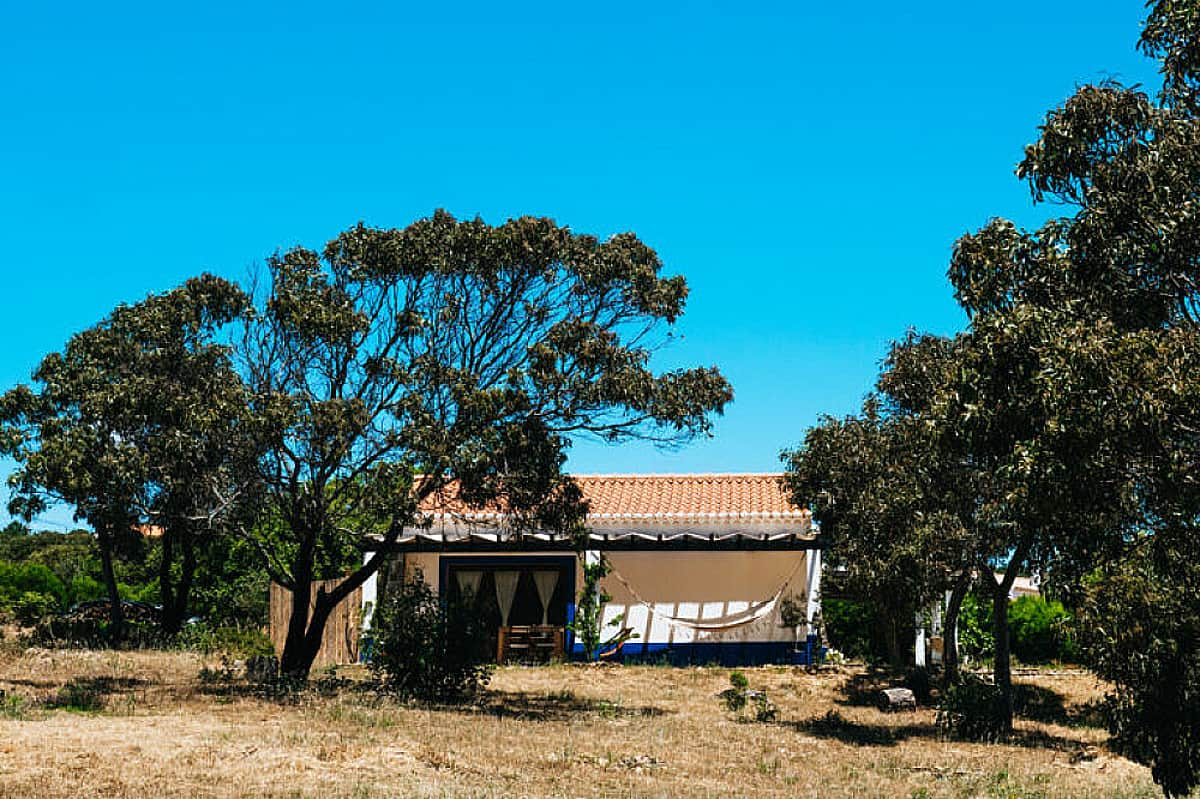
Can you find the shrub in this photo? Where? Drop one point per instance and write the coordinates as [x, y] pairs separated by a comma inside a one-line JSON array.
[[1038, 630], [975, 638], [19, 579], [31, 607], [848, 626], [233, 640], [738, 696], [427, 649], [920, 681], [972, 710]]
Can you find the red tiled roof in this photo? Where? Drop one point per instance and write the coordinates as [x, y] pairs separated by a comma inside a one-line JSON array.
[[691, 496], [616, 499]]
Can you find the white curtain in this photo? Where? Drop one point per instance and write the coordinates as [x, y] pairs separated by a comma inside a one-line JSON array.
[[545, 582], [506, 589], [468, 583]]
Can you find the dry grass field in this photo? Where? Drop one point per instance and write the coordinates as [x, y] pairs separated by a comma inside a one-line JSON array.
[[75, 724]]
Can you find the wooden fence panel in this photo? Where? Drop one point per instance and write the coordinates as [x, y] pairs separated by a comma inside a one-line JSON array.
[[340, 644]]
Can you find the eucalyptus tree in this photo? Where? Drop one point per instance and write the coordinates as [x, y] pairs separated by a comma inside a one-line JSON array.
[[133, 424], [867, 480], [449, 358]]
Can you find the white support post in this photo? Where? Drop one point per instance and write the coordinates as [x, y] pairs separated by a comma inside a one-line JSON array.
[[919, 648], [814, 589], [937, 630], [370, 591]]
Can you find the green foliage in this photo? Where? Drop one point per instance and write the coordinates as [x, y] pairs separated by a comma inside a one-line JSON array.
[[973, 710], [849, 626], [1139, 628], [18, 579], [738, 698], [589, 611], [1039, 630], [975, 637], [32, 607], [428, 649], [231, 640]]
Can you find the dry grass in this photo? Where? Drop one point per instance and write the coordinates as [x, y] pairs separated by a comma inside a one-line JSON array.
[[143, 724]]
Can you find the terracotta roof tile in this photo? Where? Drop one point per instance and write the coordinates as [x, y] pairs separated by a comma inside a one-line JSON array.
[[676, 498]]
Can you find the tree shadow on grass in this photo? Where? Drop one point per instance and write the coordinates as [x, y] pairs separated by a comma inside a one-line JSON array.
[[1038, 703], [557, 706], [834, 726], [91, 693]]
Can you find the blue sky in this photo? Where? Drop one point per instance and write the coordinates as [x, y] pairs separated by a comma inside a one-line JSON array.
[[806, 166]]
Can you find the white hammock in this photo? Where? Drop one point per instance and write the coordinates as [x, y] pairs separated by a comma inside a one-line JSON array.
[[756, 611]]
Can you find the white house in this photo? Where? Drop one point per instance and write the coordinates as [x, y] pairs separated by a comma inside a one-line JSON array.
[[701, 565]]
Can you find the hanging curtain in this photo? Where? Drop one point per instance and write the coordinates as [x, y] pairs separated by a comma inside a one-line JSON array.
[[506, 590], [545, 582], [468, 583]]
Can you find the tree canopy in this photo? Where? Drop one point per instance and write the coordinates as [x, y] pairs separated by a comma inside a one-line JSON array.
[[450, 357]]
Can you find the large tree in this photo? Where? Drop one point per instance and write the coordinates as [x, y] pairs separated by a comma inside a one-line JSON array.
[[446, 358], [1084, 332], [869, 480], [135, 423]]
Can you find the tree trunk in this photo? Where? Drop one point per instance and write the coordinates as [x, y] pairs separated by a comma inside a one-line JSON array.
[[891, 635], [298, 659], [295, 660], [1002, 668], [950, 659], [167, 623], [175, 594], [116, 613]]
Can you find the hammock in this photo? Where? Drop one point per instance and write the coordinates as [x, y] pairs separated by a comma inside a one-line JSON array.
[[756, 611]]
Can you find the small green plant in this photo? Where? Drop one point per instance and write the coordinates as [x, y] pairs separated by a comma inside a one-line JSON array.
[[972, 710], [236, 641], [221, 675], [13, 707], [589, 612], [428, 649], [80, 695], [740, 699]]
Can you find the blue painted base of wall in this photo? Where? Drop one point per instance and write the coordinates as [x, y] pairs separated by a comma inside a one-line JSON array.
[[751, 653]]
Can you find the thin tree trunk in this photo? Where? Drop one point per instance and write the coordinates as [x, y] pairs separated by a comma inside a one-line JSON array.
[[116, 613], [891, 636], [187, 573], [950, 658], [1002, 668], [175, 594], [1002, 665], [167, 623]]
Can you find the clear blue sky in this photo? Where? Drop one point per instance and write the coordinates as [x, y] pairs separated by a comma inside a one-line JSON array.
[[807, 166]]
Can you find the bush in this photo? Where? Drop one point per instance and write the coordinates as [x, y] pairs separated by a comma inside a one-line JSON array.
[[972, 710], [1038, 630], [1139, 628], [848, 626], [427, 649], [32, 607], [738, 697], [19, 579], [975, 638], [233, 640]]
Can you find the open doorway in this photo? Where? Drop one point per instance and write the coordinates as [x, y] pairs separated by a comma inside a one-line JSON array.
[[528, 602]]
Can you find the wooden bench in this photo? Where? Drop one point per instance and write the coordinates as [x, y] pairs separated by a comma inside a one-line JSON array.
[[531, 643]]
